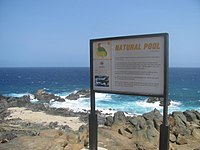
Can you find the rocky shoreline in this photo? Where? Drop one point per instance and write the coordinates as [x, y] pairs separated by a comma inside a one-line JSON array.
[[114, 132]]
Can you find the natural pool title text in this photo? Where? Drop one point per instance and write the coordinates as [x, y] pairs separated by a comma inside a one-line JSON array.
[[145, 46]]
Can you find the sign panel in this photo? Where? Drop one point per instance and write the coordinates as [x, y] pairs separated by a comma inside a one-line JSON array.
[[129, 65]]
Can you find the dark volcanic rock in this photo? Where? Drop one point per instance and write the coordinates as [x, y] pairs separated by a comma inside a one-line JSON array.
[[42, 95], [154, 116], [84, 93], [157, 99], [53, 125], [79, 94], [15, 101], [101, 119], [73, 96], [119, 118], [180, 124], [190, 116], [138, 122], [23, 101], [59, 99], [109, 121], [7, 136], [197, 114], [180, 118], [13, 128]]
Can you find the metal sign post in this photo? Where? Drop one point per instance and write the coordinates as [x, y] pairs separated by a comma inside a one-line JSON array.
[[93, 125], [164, 128]]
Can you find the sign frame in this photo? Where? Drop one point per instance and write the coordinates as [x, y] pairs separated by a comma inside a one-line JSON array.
[[164, 128], [165, 64]]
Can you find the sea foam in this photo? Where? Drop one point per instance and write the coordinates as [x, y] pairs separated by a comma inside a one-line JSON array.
[[75, 105], [16, 94]]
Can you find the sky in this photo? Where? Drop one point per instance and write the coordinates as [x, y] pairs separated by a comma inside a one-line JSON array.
[[56, 33]]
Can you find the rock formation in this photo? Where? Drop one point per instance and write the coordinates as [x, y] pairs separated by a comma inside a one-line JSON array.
[[157, 99], [79, 94], [42, 95]]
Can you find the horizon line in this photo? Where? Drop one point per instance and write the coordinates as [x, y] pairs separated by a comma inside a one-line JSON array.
[[76, 67]]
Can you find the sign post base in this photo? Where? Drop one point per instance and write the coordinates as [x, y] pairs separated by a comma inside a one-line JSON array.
[[164, 137], [93, 131]]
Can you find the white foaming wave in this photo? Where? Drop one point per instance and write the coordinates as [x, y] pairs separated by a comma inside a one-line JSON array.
[[16, 94], [145, 104], [98, 96], [102, 97], [63, 94], [75, 91], [32, 98], [75, 105], [83, 99], [175, 105], [83, 104]]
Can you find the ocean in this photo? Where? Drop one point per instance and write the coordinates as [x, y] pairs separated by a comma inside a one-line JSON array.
[[184, 89]]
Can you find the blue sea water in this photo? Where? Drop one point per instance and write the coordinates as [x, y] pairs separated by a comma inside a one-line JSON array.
[[184, 89]]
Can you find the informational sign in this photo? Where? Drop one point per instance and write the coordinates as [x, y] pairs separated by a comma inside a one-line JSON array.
[[129, 65]]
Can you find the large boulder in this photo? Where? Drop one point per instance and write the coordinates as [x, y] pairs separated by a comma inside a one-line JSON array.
[[119, 118], [190, 116], [180, 124], [138, 123], [143, 129], [154, 116], [180, 118]]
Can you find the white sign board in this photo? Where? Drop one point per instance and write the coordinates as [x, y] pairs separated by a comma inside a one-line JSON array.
[[134, 65]]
